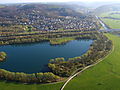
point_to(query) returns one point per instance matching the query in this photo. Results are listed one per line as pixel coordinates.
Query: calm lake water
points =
(32, 58)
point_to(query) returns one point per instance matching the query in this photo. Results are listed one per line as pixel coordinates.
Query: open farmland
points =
(112, 19)
(15, 86)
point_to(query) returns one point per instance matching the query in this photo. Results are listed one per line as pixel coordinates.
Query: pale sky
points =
(21, 1)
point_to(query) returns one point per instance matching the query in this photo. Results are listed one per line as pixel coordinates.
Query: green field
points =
(58, 41)
(14, 86)
(104, 76)
(114, 24)
(108, 14)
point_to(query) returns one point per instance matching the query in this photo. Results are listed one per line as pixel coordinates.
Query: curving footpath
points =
(70, 78)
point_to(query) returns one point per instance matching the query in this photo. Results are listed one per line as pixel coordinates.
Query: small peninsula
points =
(2, 56)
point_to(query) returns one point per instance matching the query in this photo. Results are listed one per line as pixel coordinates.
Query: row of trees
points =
(99, 49)
(36, 37)
(29, 78)
(63, 68)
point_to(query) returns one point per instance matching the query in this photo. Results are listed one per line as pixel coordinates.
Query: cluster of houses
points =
(46, 22)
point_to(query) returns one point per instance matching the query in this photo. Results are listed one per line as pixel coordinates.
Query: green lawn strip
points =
(14, 86)
(114, 24)
(108, 14)
(57, 41)
(103, 76)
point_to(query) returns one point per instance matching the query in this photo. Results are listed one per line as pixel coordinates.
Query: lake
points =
(33, 58)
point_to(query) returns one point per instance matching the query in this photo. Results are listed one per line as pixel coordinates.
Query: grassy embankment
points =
(104, 76)
(112, 23)
(58, 41)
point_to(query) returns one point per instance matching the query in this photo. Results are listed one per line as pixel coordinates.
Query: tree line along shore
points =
(61, 68)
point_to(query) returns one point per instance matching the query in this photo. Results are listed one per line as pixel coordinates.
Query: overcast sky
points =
(21, 1)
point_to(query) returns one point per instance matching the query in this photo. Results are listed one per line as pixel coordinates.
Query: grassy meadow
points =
(58, 41)
(111, 14)
(103, 76)
(112, 23)
(15, 86)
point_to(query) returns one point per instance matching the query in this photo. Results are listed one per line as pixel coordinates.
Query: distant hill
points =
(107, 8)
(46, 16)
(50, 10)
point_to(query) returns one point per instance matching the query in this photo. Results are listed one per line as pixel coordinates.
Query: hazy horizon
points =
(35, 1)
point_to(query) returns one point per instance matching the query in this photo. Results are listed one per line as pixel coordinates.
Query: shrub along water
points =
(28, 78)
(61, 68)
(99, 49)
(2, 56)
